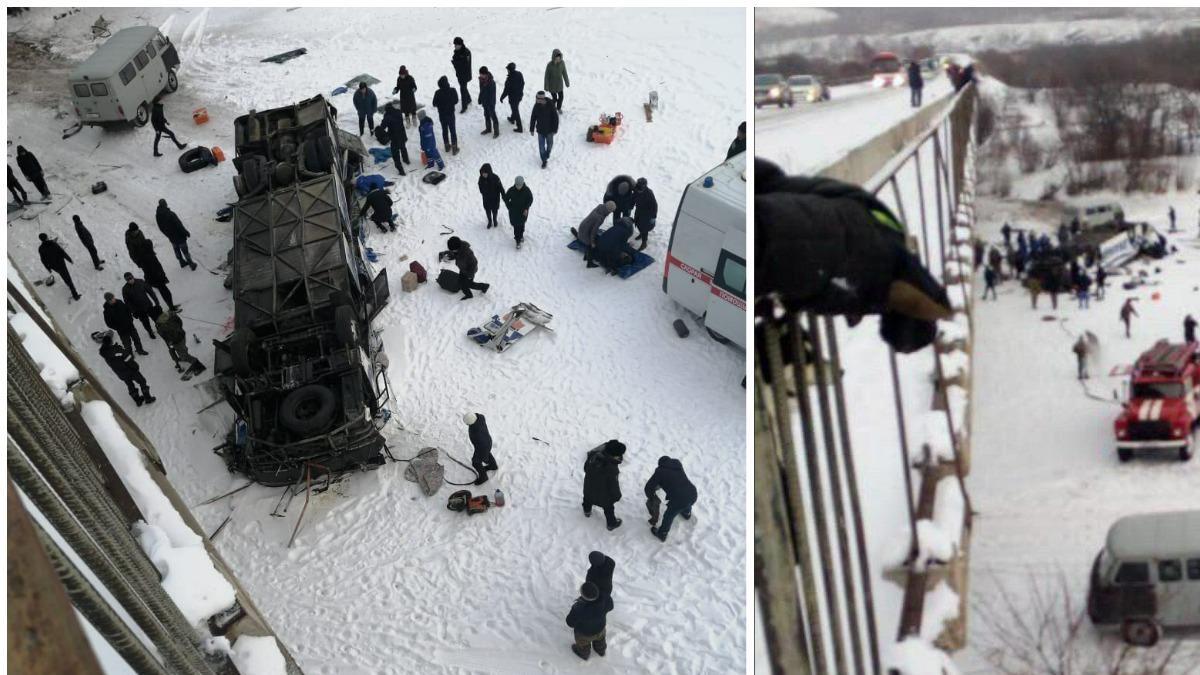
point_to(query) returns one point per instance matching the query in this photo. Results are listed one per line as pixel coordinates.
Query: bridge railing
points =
(816, 584)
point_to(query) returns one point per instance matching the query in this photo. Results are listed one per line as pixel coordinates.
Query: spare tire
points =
(307, 410)
(195, 158)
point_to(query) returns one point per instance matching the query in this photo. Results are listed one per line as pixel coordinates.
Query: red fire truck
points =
(1163, 410)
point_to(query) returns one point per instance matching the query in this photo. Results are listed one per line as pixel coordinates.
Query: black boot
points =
(482, 476)
(587, 513)
(614, 524)
(661, 536)
(579, 652)
(485, 288)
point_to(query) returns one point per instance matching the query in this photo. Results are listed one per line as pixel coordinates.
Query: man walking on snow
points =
(1127, 314)
(393, 123)
(55, 259)
(680, 492)
(33, 171)
(118, 317)
(602, 481)
(1081, 351)
(85, 238)
(461, 60)
(518, 199)
(481, 443)
(173, 229)
(1189, 329)
(989, 280)
(444, 99)
(916, 83)
(514, 91)
(543, 121)
(556, 78)
(158, 122)
(1171, 216)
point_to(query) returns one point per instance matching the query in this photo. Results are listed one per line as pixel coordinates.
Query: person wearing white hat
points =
(481, 460)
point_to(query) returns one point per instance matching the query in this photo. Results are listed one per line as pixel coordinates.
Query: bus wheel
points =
(172, 81)
(142, 116)
(717, 336)
(1141, 632)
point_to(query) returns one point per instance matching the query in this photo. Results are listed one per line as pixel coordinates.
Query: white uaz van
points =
(119, 81)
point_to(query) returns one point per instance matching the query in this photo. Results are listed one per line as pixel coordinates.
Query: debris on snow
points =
(258, 656)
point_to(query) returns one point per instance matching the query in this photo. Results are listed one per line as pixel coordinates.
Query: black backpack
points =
(449, 280)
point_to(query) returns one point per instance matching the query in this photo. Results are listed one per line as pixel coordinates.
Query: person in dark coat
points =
(140, 299)
(1006, 231)
(481, 443)
(989, 281)
(915, 83)
(428, 140)
(173, 229)
(1189, 329)
(620, 192)
(444, 99)
(589, 618)
(461, 60)
(1081, 351)
(460, 252)
(589, 230)
(645, 211)
(612, 246)
(1101, 276)
(33, 171)
(602, 481)
(406, 85)
(155, 275)
(379, 202)
(543, 121)
(125, 367)
(518, 199)
(136, 243)
(15, 188)
(492, 191)
(118, 318)
(393, 123)
(601, 572)
(55, 259)
(966, 77)
(680, 492)
(170, 327)
(556, 78)
(1171, 217)
(487, 100)
(514, 91)
(365, 103)
(85, 238)
(158, 122)
(1127, 314)
(738, 146)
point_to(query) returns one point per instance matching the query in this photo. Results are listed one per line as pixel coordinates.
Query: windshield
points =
(885, 64)
(800, 80)
(1158, 390)
(766, 80)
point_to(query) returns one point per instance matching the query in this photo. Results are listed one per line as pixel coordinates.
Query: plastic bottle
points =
(499, 501)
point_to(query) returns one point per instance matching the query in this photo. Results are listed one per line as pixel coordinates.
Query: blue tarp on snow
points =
(381, 155)
(640, 260)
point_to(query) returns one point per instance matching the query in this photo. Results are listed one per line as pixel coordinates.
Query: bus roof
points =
(1154, 536)
(112, 56)
(725, 201)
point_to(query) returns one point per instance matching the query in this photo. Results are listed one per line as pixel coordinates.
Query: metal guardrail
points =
(812, 576)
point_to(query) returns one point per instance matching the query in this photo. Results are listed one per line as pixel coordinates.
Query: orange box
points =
(218, 154)
(200, 115)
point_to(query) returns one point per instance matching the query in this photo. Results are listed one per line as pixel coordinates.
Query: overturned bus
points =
(303, 372)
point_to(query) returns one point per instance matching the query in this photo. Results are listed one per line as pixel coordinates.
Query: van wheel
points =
(1141, 632)
(142, 116)
(172, 81)
(307, 410)
(1124, 454)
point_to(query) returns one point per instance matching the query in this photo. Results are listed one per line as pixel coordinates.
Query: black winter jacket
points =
(139, 297)
(120, 361)
(170, 225)
(514, 86)
(601, 478)
(158, 119)
(487, 91)
(645, 209)
(674, 482)
(85, 235)
(544, 119)
(914, 76)
(481, 440)
(53, 256)
(465, 259)
(407, 86)
(590, 617)
(365, 101)
(380, 204)
(393, 123)
(612, 194)
(518, 200)
(29, 165)
(152, 269)
(602, 576)
(117, 316)
(461, 60)
(445, 99)
(490, 188)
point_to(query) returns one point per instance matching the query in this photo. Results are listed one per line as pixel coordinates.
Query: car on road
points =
(887, 71)
(1147, 576)
(808, 88)
(772, 89)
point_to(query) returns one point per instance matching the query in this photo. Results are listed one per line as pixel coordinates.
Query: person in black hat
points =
(444, 99)
(118, 317)
(55, 259)
(33, 172)
(22, 197)
(680, 493)
(126, 369)
(543, 121)
(589, 618)
(365, 103)
(738, 146)
(481, 443)
(601, 572)
(460, 252)
(514, 91)
(487, 100)
(406, 85)
(85, 238)
(645, 211)
(393, 123)
(173, 229)
(461, 60)
(518, 199)
(158, 122)
(492, 191)
(602, 481)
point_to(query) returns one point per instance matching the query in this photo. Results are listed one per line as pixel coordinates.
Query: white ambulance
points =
(706, 258)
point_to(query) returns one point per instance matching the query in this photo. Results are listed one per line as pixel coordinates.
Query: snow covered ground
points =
(1045, 478)
(810, 137)
(382, 579)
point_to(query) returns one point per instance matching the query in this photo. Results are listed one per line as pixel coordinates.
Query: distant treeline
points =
(1171, 60)
(859, 68)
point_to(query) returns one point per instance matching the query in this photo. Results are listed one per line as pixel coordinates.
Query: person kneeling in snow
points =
(460, 252)
(589, 618)
(429, 141)
(481, 442)
(380, 204)
(680, 492)
(612, 246)
(589, 227)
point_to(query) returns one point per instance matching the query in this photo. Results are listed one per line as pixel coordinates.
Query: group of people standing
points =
(602, 489)
(633, 206)
(450, 103)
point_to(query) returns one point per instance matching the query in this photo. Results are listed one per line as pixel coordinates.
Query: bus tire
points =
(1124, 454)
(308, 409)
(1141, 632)
(142, 116)
(172, 81)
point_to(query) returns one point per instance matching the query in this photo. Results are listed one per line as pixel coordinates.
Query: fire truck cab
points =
(1163, 410)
